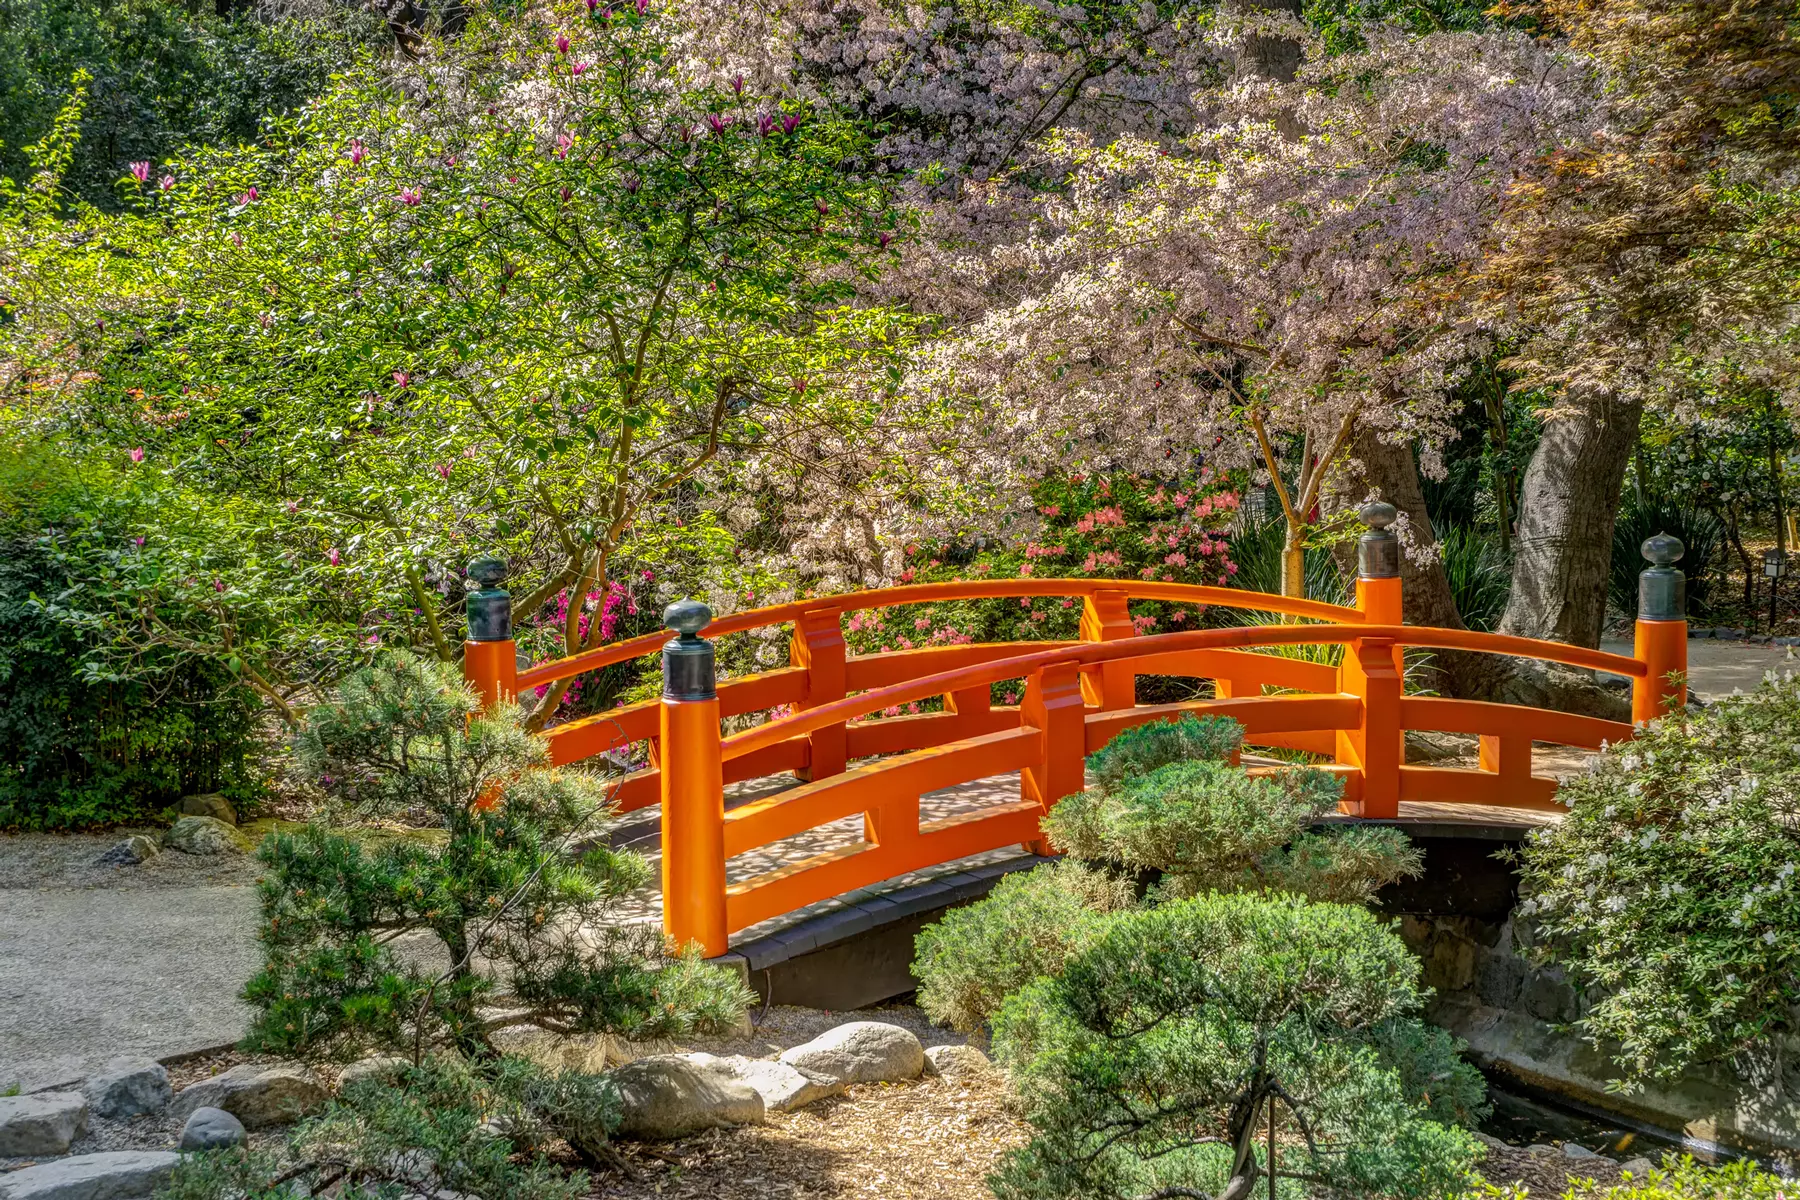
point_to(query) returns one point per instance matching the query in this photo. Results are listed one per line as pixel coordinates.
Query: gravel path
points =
(102, 961)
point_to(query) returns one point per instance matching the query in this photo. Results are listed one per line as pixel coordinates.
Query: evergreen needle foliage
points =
(520, 896)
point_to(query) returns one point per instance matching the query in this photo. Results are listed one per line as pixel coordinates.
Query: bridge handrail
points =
(1234, 637)
(924, 593)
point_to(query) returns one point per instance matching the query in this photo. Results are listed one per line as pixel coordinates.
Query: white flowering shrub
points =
(1669, 892)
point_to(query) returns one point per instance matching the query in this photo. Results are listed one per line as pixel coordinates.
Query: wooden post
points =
(490, 660)
(1661, 641)
(1371, 669)
(818, 645)
(1106, 617)
(1053, 706)
(693, 786)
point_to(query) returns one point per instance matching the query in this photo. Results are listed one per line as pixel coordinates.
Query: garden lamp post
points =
(1775, 566)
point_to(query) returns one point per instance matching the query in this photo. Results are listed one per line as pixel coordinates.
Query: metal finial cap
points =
(1378, 514)
(487, 570)
(1663, 550)
(687, 617)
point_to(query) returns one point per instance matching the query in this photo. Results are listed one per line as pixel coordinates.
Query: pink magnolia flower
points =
(140, 171)
(717, 122)
(138, 541)
(412, 197)
(633, 183)
(444, 469)
(790, 123)
(563, 142)
(332, 556)
(685, 132)
(356, 153)
(578, 69)
(248, 196)
(562, 43)
(641, 6)
(218, 585)
(824, 208)
(402, 378)
(737, 85)
(168, 181)
(293, 506)
(765, 124)
(882, 240)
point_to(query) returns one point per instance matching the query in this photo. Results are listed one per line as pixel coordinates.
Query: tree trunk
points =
(1567, 507)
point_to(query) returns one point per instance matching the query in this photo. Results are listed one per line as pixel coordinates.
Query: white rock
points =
(1639, 1166)
(128, 1087)
(861, 1052)
(1541, 1150)
(783, 1088)
(118, 1175)
(256, 1095)
(1571, 1150)
(211, 1129)
(957, 1063)
(41, 1123)
(668, 1096)
(205, 835)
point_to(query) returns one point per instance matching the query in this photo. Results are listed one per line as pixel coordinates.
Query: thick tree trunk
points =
(1563, 556)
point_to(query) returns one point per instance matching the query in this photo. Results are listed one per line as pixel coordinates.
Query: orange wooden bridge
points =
(1076, 697)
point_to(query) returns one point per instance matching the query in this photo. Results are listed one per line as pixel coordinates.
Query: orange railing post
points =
(1106, 617)
(693, 786)
(1661, 641)
(818, 646)
(1371, 670)
(490, 661)
(1053, 706)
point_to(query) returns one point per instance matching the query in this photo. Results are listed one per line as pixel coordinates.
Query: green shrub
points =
(443, 1127)
(1479, 573)
(524, 918)
(1149, 1062)
(1028, 926)
(1682, 1179)
(1145, 747)
(1702, 539)
(1669, 892)
(93, 733)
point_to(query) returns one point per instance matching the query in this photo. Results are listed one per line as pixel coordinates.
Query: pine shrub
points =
(519, 900)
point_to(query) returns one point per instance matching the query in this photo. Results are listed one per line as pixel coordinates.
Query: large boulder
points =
(128, 1087)
(41, 1123)
(861, 1052)
(205, 835)
(957, 1063)
(258, 1095)
(669, 1096)
(783, 1088)
(118, 1175)
(211, 1129)
(209, 804)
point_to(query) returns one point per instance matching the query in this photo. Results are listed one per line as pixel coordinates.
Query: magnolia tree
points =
(544, 295)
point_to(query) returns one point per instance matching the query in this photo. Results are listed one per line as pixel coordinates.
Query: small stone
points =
(957, 1063)
(783, 1088)
(379, 1067)
(1542, 1151)
(1489, 1140)
(861, 1052)
(1639, 1166)
(205, 835)
(209, 804)
(1571, 1150)
(211, 1129)
(41, 1123)
(116, 1175)
(130, 852)
(128, 1087)
(255, 1094)
(669, 1096)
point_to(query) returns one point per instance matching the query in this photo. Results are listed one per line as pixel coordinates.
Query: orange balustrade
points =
(1077, 696)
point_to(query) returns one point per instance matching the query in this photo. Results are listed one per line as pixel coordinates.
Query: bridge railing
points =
(1077, 696)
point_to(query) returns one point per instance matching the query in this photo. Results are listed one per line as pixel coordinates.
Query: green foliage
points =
(1669, 892)
(524, 915)
(1702, 540)
(1479, 573)
(1148, 1062)
(164, 76)
(1684, 1179)
(1143, 748)
(1207, 825)
(1256, 547)
(445, 1126)
(971, 960)
(94, 732)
